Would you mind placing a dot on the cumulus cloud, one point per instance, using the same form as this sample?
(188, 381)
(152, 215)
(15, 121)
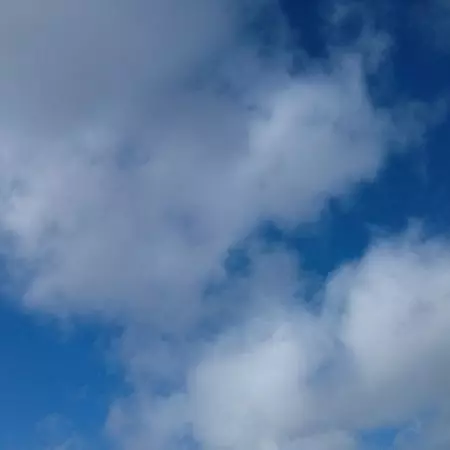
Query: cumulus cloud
(375, 357)
(106, 203)
(142, 140)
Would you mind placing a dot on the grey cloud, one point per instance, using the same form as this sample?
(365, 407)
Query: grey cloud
(109, 238)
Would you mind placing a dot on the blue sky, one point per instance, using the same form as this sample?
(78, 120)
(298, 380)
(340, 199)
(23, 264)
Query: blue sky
(163, 303)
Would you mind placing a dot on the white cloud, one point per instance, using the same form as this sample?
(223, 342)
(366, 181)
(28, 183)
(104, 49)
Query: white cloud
(108, 236)
(285, 379)
(141, 141)
(396, 327)
(250, 393)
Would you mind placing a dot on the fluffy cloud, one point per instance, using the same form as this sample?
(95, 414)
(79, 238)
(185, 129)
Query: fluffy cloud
(105, 204)
(142, 140)
(375, 357)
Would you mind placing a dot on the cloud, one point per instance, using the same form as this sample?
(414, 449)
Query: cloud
(250, 395)
(142, 141)
(69, 63)
(106, 235)
(398, 301)
(285, 378)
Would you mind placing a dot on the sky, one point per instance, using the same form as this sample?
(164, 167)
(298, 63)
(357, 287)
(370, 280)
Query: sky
(224, 225)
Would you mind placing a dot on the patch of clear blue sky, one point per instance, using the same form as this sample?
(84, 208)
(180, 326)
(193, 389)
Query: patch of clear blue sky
(44, 372)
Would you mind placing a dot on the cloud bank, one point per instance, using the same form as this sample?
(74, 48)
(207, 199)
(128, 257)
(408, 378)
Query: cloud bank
(111, 197)
(140, 141)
